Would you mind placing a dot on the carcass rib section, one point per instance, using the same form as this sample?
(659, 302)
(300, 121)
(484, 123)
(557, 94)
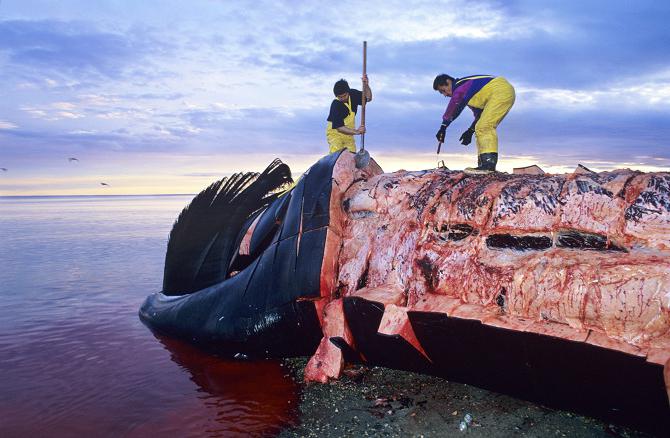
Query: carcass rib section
(582, 258)
(515, 245)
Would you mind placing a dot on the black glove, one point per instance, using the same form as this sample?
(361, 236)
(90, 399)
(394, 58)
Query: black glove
(466, 137)
(440, 134)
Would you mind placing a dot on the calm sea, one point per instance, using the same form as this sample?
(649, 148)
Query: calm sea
(75, 360)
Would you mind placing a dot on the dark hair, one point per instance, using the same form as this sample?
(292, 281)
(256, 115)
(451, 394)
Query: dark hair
(442, 80)
(340, 87)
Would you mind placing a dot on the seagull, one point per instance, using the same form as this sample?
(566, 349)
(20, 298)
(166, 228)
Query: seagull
(104, 184)
(71, 159)
(4, 169)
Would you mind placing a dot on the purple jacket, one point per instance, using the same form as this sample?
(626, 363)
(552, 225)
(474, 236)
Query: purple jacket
(462, 91)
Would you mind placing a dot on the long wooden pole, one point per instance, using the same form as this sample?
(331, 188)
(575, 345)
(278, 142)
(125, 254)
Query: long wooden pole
(365, 59)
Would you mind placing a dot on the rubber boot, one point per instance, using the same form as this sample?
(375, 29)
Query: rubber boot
(486, 163)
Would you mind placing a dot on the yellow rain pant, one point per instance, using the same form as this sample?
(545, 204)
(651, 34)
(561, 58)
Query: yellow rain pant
(338, 141)
(495, 99)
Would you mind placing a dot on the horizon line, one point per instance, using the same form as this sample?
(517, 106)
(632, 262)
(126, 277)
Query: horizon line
(95, 196)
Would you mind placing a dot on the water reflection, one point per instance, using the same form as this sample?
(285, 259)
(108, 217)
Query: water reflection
(75, 360)
(237, 398)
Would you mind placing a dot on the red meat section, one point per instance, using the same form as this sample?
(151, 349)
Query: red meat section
(583, 257)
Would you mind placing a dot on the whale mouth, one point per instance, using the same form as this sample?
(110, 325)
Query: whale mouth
(249, 258)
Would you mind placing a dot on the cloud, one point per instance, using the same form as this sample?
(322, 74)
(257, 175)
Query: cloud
(4, 124)
(55, 111)
(73, 49)
(46, 144)
(643, 96)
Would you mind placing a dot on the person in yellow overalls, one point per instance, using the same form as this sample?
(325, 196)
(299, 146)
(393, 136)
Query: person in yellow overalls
(490, 99)
(341, 129)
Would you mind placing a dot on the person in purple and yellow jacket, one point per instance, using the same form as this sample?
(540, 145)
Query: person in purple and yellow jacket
(490, 99)
(340, 127)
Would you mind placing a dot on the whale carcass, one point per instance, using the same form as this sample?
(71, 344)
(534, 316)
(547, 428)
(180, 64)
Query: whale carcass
(555, 288)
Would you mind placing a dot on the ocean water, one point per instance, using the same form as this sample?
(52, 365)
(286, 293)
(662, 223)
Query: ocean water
(75, 360)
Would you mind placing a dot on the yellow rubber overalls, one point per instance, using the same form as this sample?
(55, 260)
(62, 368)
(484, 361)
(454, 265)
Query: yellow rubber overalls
(495, 99)
(336, 139)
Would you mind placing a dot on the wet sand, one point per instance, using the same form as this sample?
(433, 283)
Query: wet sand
(390, 403)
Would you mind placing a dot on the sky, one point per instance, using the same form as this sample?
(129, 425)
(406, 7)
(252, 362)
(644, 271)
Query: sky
(158, 97)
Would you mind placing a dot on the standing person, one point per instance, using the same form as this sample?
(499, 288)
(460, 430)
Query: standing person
(340, 129)
(490, 99)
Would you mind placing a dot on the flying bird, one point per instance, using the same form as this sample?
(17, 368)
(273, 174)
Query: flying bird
(71, 159)
(4, 169)
(104, 184)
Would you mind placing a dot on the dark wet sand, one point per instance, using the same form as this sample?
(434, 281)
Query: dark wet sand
(384, 402)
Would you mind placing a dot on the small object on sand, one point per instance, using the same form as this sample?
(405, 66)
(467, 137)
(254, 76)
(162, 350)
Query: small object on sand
(381, 401)
(465, 423)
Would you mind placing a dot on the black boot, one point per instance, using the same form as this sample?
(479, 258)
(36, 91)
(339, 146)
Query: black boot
(486, 163)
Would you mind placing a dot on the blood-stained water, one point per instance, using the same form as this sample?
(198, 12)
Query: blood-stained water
(75, 360)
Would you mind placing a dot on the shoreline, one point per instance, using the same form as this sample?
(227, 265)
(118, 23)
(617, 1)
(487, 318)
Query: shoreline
(377, 401)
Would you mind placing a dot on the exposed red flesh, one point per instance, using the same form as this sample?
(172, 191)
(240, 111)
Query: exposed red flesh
(390, 241)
